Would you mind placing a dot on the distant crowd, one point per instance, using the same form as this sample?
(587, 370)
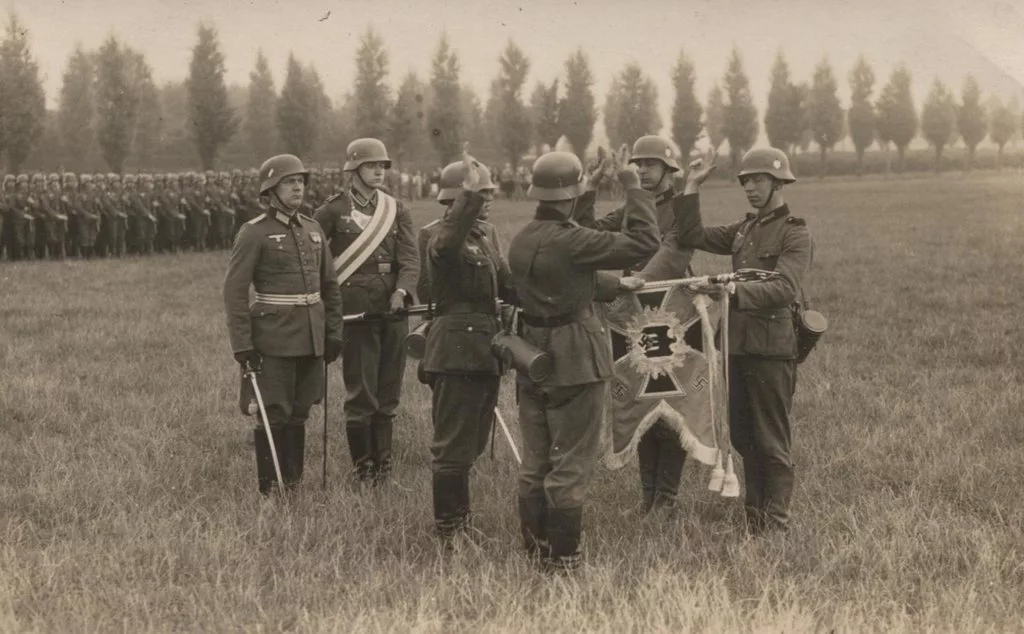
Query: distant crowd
(55, 216)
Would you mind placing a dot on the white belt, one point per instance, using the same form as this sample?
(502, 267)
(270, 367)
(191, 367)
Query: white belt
(288, 300)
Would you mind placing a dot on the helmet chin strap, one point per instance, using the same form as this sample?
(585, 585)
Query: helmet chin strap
(283, 205)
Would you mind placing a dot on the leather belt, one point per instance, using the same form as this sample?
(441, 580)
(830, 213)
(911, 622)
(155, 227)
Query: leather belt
(462, 308)
(278, 299)
(555, 321)
(378, 268)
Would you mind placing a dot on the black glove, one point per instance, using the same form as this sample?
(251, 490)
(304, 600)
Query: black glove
(249, 360)
(332, 350)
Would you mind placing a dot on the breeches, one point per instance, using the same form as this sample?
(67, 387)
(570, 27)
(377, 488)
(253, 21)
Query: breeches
(373, 365)
(561, 429)
(463, 412)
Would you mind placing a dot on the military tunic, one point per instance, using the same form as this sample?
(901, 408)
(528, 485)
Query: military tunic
(762, 346)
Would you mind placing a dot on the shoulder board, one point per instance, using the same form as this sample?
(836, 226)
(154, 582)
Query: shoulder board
(484, 222)
(257, 219)
(793, 220)
(331, 198)
(305, 216)
(432, 223)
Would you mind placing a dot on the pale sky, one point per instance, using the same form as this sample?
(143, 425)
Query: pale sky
(935, 38)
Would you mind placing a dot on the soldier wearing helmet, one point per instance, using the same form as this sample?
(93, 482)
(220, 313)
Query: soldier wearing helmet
(172, 219)
(463, 275)
(762, 337)
(380, 277)
(5, 210)
(197, 211)
(54, 222)
(20, 221)
(114, 225)
(555, 264)
(660, 453)
(294, 326)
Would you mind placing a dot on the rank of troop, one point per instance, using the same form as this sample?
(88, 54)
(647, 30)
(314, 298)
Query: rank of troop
(358, 255)
(53, 216)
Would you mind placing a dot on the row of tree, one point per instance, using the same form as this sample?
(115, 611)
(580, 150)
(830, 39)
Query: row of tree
(111, 110)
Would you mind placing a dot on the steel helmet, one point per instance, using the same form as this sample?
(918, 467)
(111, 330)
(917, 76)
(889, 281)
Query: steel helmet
(767, 160)
(129, 179)
(451, 181)
(656, 147)
(367, 150)
(276, 168)
(556, 176)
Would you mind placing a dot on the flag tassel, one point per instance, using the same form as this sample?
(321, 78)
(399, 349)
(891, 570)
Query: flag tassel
(730, 484)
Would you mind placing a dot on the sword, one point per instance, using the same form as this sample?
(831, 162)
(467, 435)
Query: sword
(508, 436)
(323, 468)
(740, 275)
(251, 374)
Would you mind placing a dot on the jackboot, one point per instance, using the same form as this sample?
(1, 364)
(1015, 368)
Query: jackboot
(265, 474)
(380, 442)
(565, 534)
(451, 504)
(669, 472)
(533, 512)
(778, 491)
(647, 459)
(295, 455)
(359, 449)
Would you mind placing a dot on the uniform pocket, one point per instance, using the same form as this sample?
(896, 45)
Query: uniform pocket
(770, 333)
(461, 343)
(768, 258)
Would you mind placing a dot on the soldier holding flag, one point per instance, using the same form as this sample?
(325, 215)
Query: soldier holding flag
(371, 239)
(554, 264)
(762, 335)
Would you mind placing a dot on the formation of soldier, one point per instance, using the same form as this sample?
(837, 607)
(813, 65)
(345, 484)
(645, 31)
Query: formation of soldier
(56, 216)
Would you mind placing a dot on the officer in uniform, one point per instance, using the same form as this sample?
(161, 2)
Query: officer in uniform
(373, 361)
(295, 324)
(467, 278)
(554, 264)
(762, 337)
(660, 453)
(452, 177)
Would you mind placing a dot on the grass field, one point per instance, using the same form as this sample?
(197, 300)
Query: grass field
(128, 492)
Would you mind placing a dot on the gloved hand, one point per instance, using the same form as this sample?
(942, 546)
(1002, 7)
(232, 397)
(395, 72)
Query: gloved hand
(397, 301)
(631, 283)
(249, 360)
(332, 350)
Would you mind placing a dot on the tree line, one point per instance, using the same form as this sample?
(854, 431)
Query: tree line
(111, 112)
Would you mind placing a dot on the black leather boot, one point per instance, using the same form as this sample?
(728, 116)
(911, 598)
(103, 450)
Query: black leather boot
(359, 449)
(451, 503)
(265, 474)
(380, 443)
(294, 461)
(565, 534)
(533, 525)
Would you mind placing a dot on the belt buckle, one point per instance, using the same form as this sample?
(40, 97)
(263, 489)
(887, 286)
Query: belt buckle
(310, 299)
(383, 267)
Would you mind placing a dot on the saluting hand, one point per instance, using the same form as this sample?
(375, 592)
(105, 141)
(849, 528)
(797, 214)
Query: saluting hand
(473, 180)
(595, 171)
(699, 170)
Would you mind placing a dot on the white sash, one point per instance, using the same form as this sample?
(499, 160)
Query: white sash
(372, 235)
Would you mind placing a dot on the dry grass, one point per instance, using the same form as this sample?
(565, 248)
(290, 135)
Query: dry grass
(128, 489)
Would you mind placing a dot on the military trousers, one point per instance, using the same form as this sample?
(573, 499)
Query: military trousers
(760, 399)
(373, 366)
(463, 416)
(290, 386)
(561, 427)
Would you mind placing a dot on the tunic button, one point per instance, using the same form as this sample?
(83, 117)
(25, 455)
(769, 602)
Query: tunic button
(469, 329)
